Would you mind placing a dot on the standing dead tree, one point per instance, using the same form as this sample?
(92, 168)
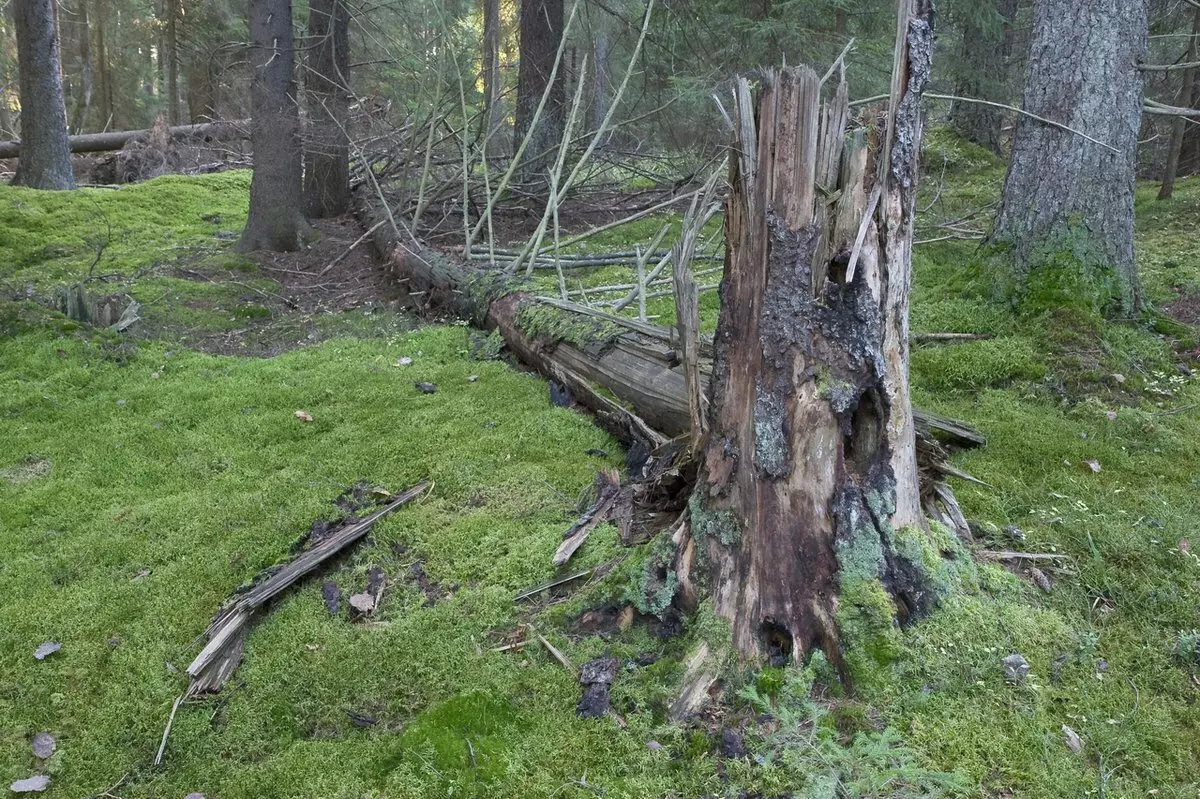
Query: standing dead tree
(812, 483)
(810, 464)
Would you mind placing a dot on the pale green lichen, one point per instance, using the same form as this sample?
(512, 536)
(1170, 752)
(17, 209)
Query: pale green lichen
(723, 525)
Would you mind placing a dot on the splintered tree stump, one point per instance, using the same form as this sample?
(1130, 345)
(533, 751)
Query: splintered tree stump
(810, 461)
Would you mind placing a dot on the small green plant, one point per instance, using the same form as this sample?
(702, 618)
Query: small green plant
(805, 748)
(1187, 647)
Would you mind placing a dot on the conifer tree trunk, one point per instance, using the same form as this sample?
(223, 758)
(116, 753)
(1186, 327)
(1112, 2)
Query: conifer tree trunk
(171, 54)
(104, 71)
(493, 111)
(327, 148)
(540, 35)
(809, 473)
(601, 91)
(83, 105)
(45, 155)
(984, 54)
(1186, 98)
(1065, 224)
(276, 221)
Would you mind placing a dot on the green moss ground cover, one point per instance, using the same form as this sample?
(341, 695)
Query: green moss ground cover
(122, 456)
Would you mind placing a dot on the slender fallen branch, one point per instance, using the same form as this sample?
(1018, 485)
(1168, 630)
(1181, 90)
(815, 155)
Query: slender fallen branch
(162, 747)
(1005, 106)
(552, 584)
(984, 553)
(351, 248)
(553, 650)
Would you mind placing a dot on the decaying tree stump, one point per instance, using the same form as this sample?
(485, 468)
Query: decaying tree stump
(810, 465)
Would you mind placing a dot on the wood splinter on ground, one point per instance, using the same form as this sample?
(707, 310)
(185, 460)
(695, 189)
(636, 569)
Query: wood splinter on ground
(226, 636)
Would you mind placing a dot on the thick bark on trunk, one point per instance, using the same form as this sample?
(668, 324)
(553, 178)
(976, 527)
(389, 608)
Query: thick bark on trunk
(45, 157)
(810, 467)
(983, 64)
(1066, 218)
(327, 147)
(117, 139)
(276, 221)
(493, 110)
(1186, 98)
(541, 33)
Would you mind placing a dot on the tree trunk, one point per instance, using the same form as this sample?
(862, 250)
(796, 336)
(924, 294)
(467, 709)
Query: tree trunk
(107, 106)
(171, 54)
(493, 110)
(45, 158)
(541, 34)
(1065, 225)
(809, 476)
(983, 66)
(83, 105)
(634, 361)
(601, 90)
(276, 221)
(1186, 98)
(327, 150)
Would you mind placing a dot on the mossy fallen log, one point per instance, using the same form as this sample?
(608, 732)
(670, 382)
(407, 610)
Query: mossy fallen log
(628, 373)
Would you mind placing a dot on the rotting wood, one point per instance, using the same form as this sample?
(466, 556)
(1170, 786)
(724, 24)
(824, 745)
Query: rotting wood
(633, 381)
(226, 635)
(608, 486)
(115, 140)
(811, 463)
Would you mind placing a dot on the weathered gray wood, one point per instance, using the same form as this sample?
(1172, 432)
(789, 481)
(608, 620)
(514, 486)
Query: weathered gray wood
(216, 661)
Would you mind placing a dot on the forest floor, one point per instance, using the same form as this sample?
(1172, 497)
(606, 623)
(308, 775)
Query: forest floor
(145, 476)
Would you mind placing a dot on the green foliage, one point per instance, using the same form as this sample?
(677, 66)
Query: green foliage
(1187, 648)
(806, 754)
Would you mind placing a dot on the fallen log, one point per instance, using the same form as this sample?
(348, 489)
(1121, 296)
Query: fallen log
(587, 351)
(628, 373)
(117, 139)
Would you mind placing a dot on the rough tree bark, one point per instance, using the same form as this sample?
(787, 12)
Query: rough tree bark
(983, 67)
(1065, 225)
(327, 146)
(45, 158)
(809, 473)
(276, 221)
(541, 30)
(1187, 95)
